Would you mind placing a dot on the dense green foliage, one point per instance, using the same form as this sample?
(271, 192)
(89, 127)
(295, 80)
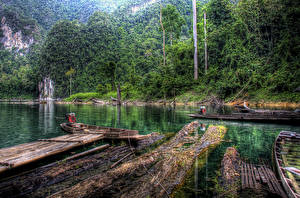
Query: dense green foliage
(253, 49)
(48, 12)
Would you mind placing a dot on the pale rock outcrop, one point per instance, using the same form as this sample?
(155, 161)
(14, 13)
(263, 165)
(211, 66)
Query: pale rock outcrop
(17, 41)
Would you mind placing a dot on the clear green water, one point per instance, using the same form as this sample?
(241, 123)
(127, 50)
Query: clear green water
(20, 123)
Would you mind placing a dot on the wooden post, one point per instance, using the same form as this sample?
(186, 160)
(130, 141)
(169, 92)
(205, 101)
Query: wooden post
(205, 43)
(118, 94)
(195, 40)
(164, 35)
(70, 84)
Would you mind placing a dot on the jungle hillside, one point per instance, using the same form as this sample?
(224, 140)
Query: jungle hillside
(246, 49)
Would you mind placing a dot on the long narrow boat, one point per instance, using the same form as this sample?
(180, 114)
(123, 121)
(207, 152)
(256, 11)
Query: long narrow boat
(108, 132)
(257, 116)
(287, 159)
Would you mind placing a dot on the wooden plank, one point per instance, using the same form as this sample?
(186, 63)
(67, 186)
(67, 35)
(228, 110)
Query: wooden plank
(14, 156)
(48, 140)
(262, 176)
(272, 181)
(54, 145)
(253, 176)
(278, 187)
(251, 183)
(257, 177)
(6, 152)
(99, 148)
(29, 152)
(243, 176)
(246, 176)
(42, 154)
(267, 179)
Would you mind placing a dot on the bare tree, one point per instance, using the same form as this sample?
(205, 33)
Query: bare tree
(195, 40)
(164, 35)
(205, 43)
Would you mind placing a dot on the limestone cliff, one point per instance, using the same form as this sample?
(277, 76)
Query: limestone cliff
(17, 40)
(142, 5)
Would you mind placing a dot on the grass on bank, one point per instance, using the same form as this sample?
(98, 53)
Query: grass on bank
(261, 95)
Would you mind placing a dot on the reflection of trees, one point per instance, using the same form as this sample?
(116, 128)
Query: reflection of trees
(254, 141)
(145, 119)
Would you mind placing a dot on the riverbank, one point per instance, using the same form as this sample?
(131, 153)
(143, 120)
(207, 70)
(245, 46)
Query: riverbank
(89, 98)
(252, 104)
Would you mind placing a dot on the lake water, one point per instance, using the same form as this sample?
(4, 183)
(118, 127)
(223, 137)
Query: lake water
(21, 123)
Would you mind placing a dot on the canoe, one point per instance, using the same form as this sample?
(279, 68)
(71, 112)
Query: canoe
(257, 116)
(108, 132)
(287, 160)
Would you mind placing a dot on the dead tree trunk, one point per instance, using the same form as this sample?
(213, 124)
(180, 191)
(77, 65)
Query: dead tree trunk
(164, 35)
(118, 94)
(205, 44)
(195, 40)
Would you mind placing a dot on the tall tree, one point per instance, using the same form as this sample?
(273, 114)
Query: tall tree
(164, 35)
(172, 21)
(205, 43)
(195, 40)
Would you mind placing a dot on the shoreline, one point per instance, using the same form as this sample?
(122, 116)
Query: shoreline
(253, 104)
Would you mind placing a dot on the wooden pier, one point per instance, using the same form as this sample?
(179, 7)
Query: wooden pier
(22, 154)
(253, 176)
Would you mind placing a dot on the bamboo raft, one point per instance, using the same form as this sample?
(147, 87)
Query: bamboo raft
(280, 117)
(108, 132)
(287, 158)
(22, 154)
(253, 176)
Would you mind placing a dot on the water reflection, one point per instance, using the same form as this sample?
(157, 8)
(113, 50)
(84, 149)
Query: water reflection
(46, 118)
(25, 123)
(21, 123)
(254, 142)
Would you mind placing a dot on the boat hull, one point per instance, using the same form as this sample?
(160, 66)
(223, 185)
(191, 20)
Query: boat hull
(108, 132)
(251, 117)
(289, 183)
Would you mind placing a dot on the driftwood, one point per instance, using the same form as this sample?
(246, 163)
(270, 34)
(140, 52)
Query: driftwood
(153, 174)
(95, 101)
(213, 100)
(113, 99)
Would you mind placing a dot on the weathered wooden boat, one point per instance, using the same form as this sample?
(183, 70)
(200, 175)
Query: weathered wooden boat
(281, 117)
(287, 159)
(108, 132)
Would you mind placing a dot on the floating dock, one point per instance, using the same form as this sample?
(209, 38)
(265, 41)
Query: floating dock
(22, 154)
(254, 176)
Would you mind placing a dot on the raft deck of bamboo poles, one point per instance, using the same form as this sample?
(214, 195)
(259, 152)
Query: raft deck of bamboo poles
(22, 154)
(253, 176)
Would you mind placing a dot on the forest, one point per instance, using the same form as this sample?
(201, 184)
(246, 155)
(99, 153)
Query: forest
(90, 47)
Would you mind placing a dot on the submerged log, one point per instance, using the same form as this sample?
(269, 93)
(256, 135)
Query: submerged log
(153, 174)
(230, 173)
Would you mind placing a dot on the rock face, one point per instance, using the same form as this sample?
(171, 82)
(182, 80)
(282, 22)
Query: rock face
(144, 5)
(46, 89)
(17, 40)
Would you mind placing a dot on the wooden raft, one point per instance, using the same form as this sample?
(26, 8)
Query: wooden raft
(253, 176)
(22, 154)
